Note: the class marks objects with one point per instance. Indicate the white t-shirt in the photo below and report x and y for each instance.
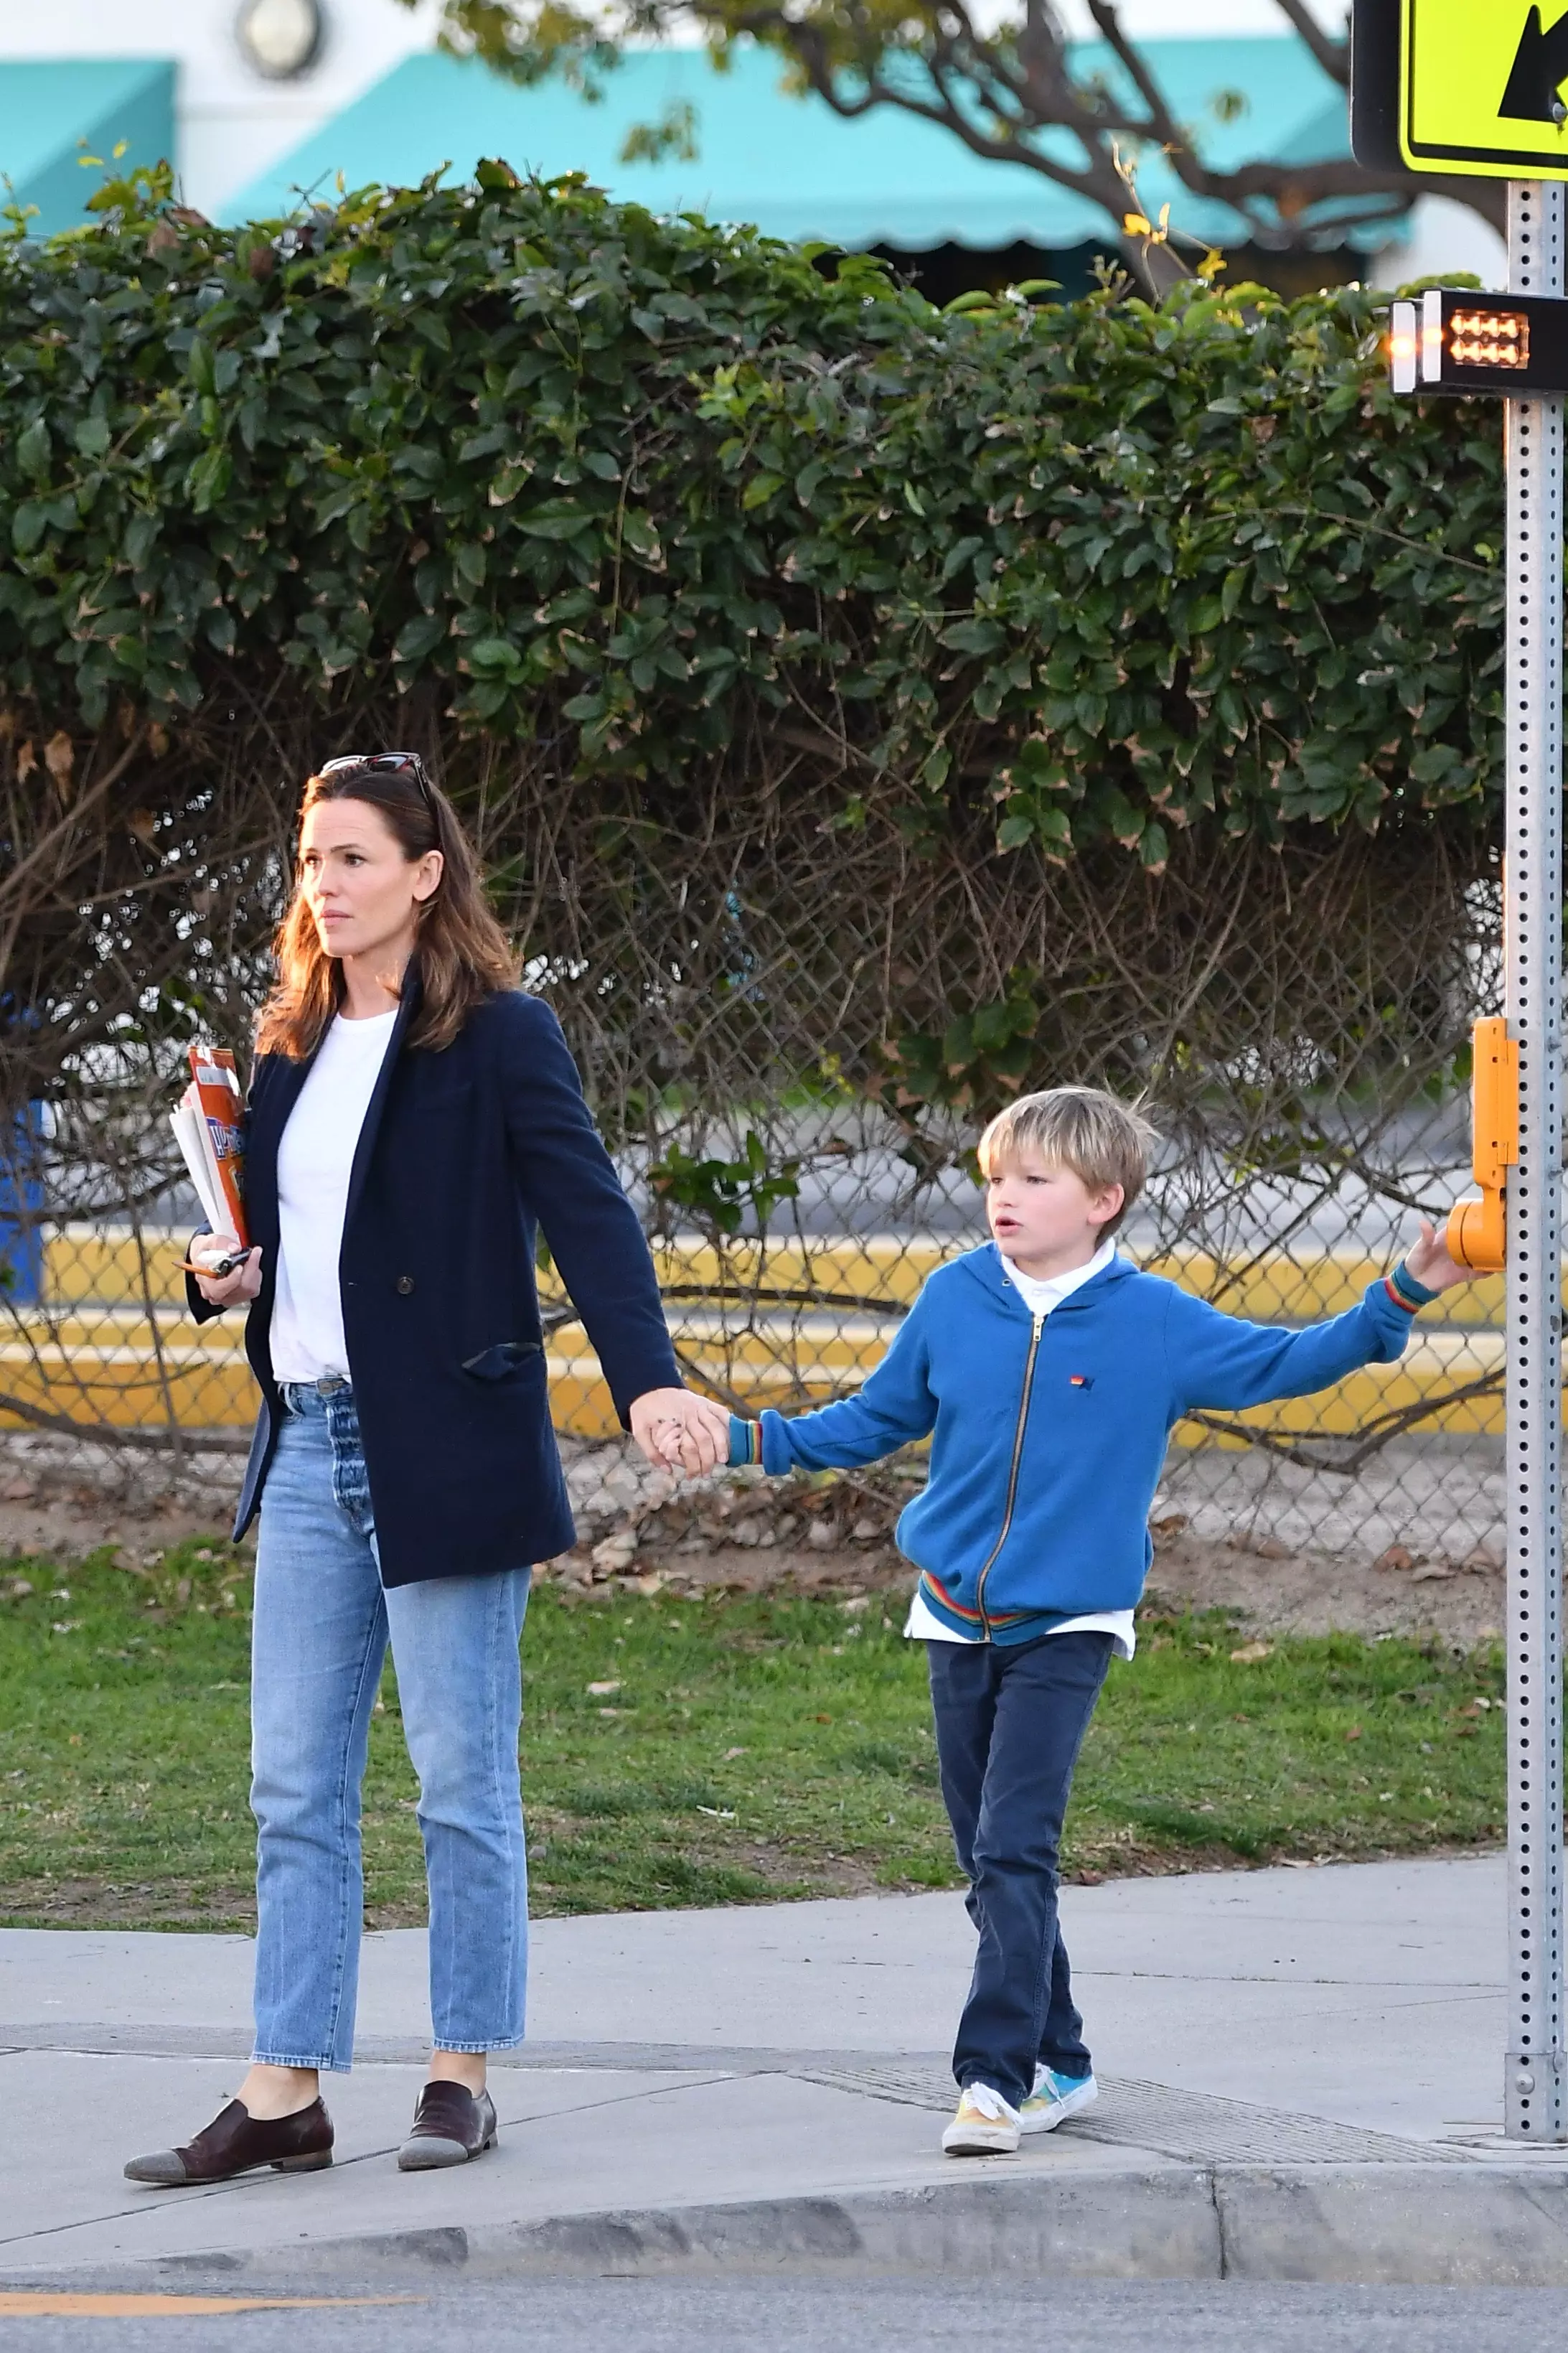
(1039, 1295)
(315, 1156)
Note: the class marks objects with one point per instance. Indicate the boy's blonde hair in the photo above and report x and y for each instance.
(1104, 1142)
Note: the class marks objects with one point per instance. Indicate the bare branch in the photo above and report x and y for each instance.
(1334, 55)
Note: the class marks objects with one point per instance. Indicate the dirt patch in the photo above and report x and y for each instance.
(60, 1500)
(1283, 1592)
(779, 1877)
(163, 1903)
(799, 1874)
(1124, 1855)
(117, 1903)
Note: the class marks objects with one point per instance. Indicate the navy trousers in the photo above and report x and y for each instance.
(1010, 1720)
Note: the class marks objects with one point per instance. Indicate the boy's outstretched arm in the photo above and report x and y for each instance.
(895, 1408)
(1219, 1360)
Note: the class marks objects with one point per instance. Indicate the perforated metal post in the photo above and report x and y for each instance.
(1535, 2102)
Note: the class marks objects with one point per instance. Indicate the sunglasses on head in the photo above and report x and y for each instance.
(385, 764)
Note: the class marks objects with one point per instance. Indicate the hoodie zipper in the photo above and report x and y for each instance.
(1012, 1478)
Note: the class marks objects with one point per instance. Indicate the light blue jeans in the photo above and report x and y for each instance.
(321, 1627)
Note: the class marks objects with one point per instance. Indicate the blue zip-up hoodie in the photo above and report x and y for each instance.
(1049, 1437)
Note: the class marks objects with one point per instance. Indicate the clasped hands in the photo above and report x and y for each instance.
(681, 1432)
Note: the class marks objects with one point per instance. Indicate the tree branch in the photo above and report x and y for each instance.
(1333, 56)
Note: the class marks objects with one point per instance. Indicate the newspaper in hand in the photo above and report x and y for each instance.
(208, 1128)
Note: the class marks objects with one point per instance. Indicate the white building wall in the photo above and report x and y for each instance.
(1445, 239)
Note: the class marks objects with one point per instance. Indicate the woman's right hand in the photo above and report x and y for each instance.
(226, 1290)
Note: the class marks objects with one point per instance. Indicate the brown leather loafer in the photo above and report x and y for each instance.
(451, 2125)
(237, 2142)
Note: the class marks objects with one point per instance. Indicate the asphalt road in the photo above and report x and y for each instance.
(814, 2316)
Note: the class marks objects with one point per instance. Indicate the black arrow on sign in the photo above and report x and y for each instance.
(1540, 65)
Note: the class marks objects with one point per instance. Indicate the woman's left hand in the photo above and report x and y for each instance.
(679, 1431)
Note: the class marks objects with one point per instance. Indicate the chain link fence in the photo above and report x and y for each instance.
(792, 1028)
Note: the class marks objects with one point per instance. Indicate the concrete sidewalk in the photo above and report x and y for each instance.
(1301, 2072)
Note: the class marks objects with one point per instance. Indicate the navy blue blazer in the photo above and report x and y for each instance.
(462, 1156)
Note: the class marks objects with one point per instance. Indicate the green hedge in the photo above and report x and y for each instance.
(577, 472)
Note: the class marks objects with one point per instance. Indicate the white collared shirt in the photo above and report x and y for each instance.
(1039, 1295)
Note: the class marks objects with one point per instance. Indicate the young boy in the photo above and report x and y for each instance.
(1048, 1373)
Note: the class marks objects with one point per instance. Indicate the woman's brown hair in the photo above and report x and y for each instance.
(462, 951)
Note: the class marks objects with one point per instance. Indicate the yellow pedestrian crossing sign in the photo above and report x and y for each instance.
(1482, 87)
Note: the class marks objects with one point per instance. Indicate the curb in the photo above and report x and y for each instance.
(1383, 2226)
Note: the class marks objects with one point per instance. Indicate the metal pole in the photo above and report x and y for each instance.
(1535, 2098)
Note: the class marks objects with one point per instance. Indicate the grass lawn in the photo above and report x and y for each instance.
(705, 1752)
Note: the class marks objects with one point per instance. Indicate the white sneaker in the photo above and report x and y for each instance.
(983, 2126)
(1055, 2098)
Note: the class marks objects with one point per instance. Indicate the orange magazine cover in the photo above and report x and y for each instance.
(221, 1106)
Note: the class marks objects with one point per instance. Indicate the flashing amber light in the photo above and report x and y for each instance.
(1494, 339)
(1402, 346)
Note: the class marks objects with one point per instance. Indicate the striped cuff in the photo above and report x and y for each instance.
(745, 1442)
(1406, 1291)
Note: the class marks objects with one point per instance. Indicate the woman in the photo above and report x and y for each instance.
(412, 1116)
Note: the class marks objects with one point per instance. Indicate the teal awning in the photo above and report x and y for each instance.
(789, 165)
(55, 111)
